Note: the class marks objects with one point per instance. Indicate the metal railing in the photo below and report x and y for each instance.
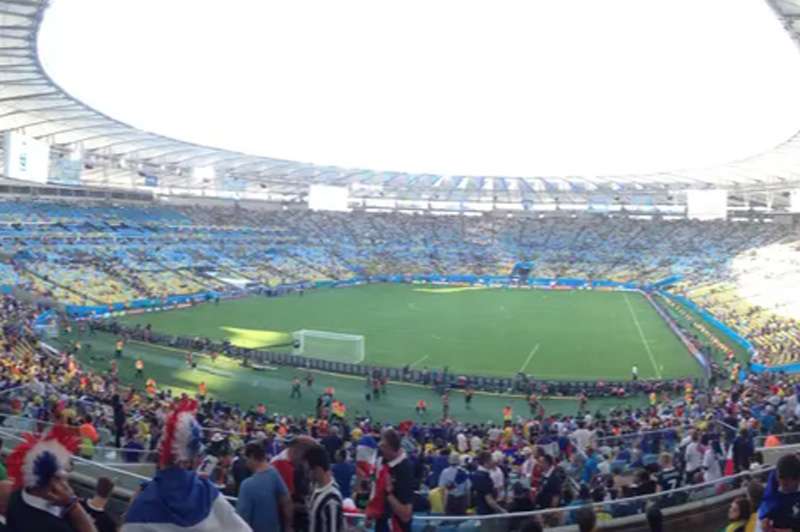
(612, 509)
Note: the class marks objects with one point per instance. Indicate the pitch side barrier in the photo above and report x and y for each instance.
(436, 378)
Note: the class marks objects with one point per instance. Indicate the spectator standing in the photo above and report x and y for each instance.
(119, 419)
(96, 506)
(693, 458)
(332, 442)
(743, 451)
(712, 457)
(394, 487)
(264, 501)
(343, 472)
(291, 466)
(455, 481)
(549, 493)
(325, 504)
(486, 502)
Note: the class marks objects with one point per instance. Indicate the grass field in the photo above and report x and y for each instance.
(576, 335)
(229, 381)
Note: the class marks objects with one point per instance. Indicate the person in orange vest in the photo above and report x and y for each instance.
(118, 351)
(139, 364)
(150, 387)
(653, 398)
(87, 430)
(422, 407)
(508, 414)
(202, 390)
(772, 441)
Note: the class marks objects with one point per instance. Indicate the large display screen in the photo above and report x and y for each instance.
(26, 158)
(328, 198)
(707, 204)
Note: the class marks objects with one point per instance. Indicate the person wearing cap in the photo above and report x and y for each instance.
(455, 481)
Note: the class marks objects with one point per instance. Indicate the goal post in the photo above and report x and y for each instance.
(331, 346)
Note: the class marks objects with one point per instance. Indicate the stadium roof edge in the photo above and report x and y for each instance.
(119, 155)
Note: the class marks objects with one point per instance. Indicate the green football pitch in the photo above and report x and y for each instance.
(565, 335)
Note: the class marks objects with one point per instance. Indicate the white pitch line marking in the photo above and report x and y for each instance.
(528, 360)
(641, 334)
(418, 361)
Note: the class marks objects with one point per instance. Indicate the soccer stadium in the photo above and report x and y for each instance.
(201, 335)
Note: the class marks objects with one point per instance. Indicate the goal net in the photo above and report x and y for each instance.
(325, 345)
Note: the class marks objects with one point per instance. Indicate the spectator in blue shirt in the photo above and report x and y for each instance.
(263, 498)
(589, 466)
(343, 472)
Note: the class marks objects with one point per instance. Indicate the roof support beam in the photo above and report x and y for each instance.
(41, 109)
(171, 143)
(93, 126)
(47, 94)
(82, 116)
(104, 135)
(175, 152)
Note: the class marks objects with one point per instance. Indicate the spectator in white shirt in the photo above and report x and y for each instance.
(693, 457)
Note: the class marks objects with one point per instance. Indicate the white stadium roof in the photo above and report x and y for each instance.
(119, 155)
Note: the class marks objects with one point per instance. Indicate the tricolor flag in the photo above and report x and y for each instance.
(366, 455)
(177, 500)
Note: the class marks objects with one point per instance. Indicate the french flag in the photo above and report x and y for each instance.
(177, 500)
(366, 456)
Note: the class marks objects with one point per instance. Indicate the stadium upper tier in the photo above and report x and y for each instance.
(118, 155)
(90, 255)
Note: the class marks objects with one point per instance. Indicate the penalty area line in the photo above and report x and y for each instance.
(528, 360)
(423, 359)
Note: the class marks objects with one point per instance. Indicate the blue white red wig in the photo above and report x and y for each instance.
(183, 437)
(38, 459)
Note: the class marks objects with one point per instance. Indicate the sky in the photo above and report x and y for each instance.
(513, 88)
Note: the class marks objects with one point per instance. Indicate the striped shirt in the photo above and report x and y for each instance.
(326, 509)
